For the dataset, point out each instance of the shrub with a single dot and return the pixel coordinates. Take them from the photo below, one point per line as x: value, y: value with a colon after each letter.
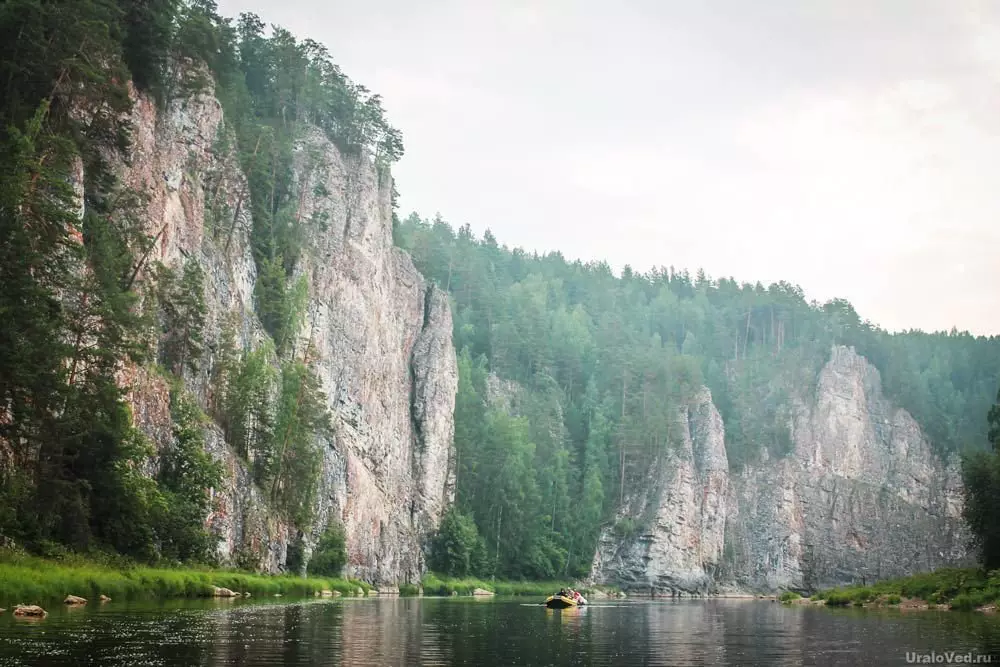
x: 330, y: 554
x: 788, y: 596
x: 838, y: 599
x: 964, y: 602
x: 893, y: 599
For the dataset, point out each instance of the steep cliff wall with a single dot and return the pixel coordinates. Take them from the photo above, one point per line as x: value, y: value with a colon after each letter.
x: 860, y: 497
x: 380, y: 338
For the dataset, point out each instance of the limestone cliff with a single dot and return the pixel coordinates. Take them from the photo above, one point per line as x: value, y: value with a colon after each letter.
x: 380, y: 338
x: 861, y: 496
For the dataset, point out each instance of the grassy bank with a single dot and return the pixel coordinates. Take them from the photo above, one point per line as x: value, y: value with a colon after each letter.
x: 434, y: 584
x: 34, y: 580
x: 954, y: 588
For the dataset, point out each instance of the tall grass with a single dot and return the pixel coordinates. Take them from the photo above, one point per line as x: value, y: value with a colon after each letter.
x: 34, y: 580
x: 960, y: 588
x: 434, y: 584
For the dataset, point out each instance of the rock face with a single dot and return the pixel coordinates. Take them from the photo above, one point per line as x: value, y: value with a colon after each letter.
x: 860, y: 497
x: 377, y: 334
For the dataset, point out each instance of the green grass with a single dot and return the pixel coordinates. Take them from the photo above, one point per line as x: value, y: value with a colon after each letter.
x: 959, y: 588
x: 434, y: 584
x: 409, y: 589
x: 34, y: 580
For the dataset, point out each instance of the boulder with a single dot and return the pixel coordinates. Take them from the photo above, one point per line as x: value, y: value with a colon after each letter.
x: 482, y: 592
x: 223, y: 592
x: 74, y: 600
x: 325, y: 593
x: 361, y: 592
x: 31, y: 610
x: 246, y: 594
x: 277, y: 595
x: 104, y: 598
x: 337, y: 594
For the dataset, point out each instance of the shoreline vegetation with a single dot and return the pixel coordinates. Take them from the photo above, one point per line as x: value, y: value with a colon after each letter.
x: 26, y: 579
x: 960, y: 589
x: 33, y: 580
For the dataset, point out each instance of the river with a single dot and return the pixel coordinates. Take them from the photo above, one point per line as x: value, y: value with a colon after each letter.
x: 457, y: 631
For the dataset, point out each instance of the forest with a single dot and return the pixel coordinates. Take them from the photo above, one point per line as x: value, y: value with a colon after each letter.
x: 603, y: 362
x: 571, y: 375
x: 79, y: 296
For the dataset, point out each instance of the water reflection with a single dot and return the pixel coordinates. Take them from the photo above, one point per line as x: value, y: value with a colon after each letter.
x: 409, y: 631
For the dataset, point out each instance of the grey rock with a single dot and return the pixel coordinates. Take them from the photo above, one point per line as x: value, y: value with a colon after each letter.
x: 861, y: 497
x: 377, y: 334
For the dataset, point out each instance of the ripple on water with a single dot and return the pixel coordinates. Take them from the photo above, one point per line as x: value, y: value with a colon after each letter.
x: 404, y: 631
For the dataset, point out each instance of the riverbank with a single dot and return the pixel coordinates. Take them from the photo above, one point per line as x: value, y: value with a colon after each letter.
x: 433, y: 584
x: 963, y: 589
x: 32, y: 580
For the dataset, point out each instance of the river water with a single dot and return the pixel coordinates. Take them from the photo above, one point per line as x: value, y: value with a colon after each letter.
x: 432, y: 631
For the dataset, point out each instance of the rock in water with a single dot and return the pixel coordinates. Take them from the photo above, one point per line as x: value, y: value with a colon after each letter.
x: 30, y: 610
x: 104, y: 598
x: 223, y: 592
x: 74, y: 600
x: 327, y: 594
x: 482, y: 592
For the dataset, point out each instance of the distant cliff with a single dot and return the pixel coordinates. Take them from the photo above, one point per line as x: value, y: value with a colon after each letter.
x: 380, y: 338
x: 860, y: 497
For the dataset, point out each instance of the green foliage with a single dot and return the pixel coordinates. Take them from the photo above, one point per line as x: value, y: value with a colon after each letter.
x: 148, y: 34
x: 32, y: 580
x: 409, y: 590
x: 185, y: 475
x: 605, y: 366
x: 182, y: 317
x: 788, y: 596
x: 292, y: 467
x: 458, y: 550
x: 981, y: 475
x: 838, y: 599
x: 959, y: 587
x: 330, y: 555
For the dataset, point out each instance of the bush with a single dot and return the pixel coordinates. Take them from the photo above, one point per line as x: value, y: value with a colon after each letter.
x: 838, y: 599
x: 964, y: 602
x: 409, y: 589
x: 330, y: 554
x: 458, y: 549
x: 893, y: 599
x: 788, y: 596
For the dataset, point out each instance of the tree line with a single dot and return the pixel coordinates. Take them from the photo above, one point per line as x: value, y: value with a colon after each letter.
x: 604, y: 362
x: 80, y: 302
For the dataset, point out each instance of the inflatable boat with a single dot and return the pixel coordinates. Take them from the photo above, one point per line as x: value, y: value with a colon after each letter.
x: 563, y: 601
x: 559, y: 602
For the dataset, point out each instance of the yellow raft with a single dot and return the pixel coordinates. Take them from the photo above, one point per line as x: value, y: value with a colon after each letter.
x: 560, y: 602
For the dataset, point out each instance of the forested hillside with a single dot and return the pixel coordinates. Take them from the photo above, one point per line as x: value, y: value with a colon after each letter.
x: 81, y: 302
x: 570, y: 376
x: 605, y: 362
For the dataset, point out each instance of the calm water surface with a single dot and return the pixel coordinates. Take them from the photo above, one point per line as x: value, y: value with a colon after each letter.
x: 428, y: 631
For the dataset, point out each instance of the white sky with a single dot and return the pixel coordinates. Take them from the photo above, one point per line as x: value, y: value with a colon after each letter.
x: 849, y: 146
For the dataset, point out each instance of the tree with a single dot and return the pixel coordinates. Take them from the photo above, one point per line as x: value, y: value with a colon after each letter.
x: 330, y: 555
x: 981, y: 474
x: 457, y: 549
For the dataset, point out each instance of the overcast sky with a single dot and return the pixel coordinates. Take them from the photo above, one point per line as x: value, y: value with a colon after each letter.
x: 849, y: 146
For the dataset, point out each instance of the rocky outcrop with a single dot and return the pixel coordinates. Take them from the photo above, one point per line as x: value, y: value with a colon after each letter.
x: 376, y: 333
x: 860, y: 497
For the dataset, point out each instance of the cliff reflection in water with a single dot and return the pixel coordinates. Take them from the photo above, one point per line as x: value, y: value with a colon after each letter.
x: 427, y: 631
